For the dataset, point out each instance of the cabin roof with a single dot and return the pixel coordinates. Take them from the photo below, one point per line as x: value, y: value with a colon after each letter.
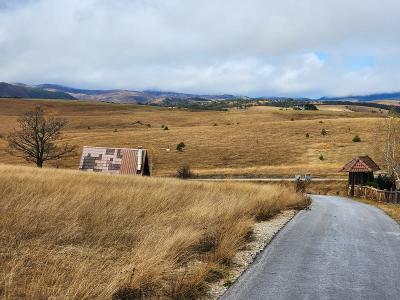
x: 361, y: 164
x: 113, y: 160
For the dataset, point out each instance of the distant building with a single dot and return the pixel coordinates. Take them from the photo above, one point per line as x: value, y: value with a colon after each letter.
x: 115, y: 160
x: 361, y: 170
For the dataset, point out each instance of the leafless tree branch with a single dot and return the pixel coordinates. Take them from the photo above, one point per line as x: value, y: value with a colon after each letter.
x: 36, y: 138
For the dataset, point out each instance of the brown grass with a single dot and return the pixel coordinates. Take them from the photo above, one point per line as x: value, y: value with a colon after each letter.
x: 260, y: 141
x: 331, y: 187
x: 74, y: 235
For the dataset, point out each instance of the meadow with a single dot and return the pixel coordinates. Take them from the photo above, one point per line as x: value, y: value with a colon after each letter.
x: 259, y: 141
x: 72, y: 235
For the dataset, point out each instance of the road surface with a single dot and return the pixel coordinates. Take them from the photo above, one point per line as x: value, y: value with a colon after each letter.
x: 340, y: 249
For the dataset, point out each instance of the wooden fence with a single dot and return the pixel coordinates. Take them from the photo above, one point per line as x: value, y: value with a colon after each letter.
x: 371, y: 193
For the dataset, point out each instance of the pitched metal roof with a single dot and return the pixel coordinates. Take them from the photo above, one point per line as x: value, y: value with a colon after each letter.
x: 362, y: 164
x: 113, y: 160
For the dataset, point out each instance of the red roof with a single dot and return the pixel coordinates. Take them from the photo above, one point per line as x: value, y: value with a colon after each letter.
x: 113, y: 160
x: 362, y: 164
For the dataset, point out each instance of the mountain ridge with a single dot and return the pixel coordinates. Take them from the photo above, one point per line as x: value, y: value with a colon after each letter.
x: 24, y: 91
x: 56, y: 91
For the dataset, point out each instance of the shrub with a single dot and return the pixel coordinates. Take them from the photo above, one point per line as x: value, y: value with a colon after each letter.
x: 383, y: 182
x: 292, y: 119
x: 89, y: 127
x: 324, y: 132
x: 321, y: 157
x: 166, y: 128
x: 184, y: 172
x: 1, y: 136
x: 307, y: 135
x: 115, y: 130
x: 356, y: 139
x: 310, y: 106
x: 162, y: 126
x: 215, y: 124
x: 180, y: 147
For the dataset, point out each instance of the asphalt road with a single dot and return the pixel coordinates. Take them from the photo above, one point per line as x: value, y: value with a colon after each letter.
x: 340, y: 249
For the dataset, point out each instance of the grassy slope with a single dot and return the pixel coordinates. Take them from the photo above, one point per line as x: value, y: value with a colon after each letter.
x: 75, y: 235
x: 259, y: 141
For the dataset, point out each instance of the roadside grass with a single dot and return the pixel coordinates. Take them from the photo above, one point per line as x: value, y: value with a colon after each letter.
x: 331, y: 187
x: 75, y: 235
x: 259, y: 141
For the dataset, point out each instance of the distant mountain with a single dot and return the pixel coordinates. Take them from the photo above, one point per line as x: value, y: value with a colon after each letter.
x: 55, y: 91
x: 23, y: 91
x: 128, y: 96
x: 365, y: 98
x: 70, y: 90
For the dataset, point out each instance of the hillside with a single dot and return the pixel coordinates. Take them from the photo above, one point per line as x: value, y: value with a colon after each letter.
x: 92, y: 236
x: 127, y: 96
x: 23, y: 91
x: 258, y: 141
x: 365, y: 98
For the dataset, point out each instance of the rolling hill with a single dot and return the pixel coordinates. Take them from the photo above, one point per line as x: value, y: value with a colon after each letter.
x: 23, y: 91
x: 127, y: 96
x: 365, y: 98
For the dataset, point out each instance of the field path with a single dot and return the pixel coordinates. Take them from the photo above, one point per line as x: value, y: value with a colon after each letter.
x: 340, y: 249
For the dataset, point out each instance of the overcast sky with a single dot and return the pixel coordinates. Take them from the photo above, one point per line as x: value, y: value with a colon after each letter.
x: 253, y: 47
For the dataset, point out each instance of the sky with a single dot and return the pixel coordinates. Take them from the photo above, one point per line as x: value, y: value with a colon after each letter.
x: 307, y: 48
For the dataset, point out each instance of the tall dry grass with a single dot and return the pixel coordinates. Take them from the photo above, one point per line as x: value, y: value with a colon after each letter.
x: 74, y: 235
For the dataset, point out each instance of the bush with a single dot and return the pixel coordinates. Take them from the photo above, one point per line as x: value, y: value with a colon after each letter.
x: 383, y: 182
x: 324, y: 132
x: 166, y: 128
x: 1, y: 136
x: 321, y: 157
x: 180, y: 147
x: 307, y: 135
x: 356, y: 139
x: 310, y: 106
x: 184, y: 172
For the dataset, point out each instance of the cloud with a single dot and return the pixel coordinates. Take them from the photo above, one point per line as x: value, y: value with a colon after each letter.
x: 257, y: 47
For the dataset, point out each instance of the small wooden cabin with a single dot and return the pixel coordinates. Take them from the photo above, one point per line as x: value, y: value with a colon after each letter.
x: 361, y: 170
x: 115, y: 160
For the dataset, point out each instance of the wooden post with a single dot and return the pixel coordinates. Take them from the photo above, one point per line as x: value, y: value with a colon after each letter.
x: 352, y: 185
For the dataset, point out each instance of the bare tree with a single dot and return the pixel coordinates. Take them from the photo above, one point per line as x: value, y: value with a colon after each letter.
x: 390, y: 148
x: 35, y: 140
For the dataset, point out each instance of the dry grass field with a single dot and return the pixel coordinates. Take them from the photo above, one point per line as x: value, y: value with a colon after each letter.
x: 73, y: 235
x: 389, y: 102
x: 260, y: 141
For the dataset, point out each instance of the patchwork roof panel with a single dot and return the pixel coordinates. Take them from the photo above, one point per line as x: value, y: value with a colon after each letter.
x: 362, y: 164
x: 113, y: 160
